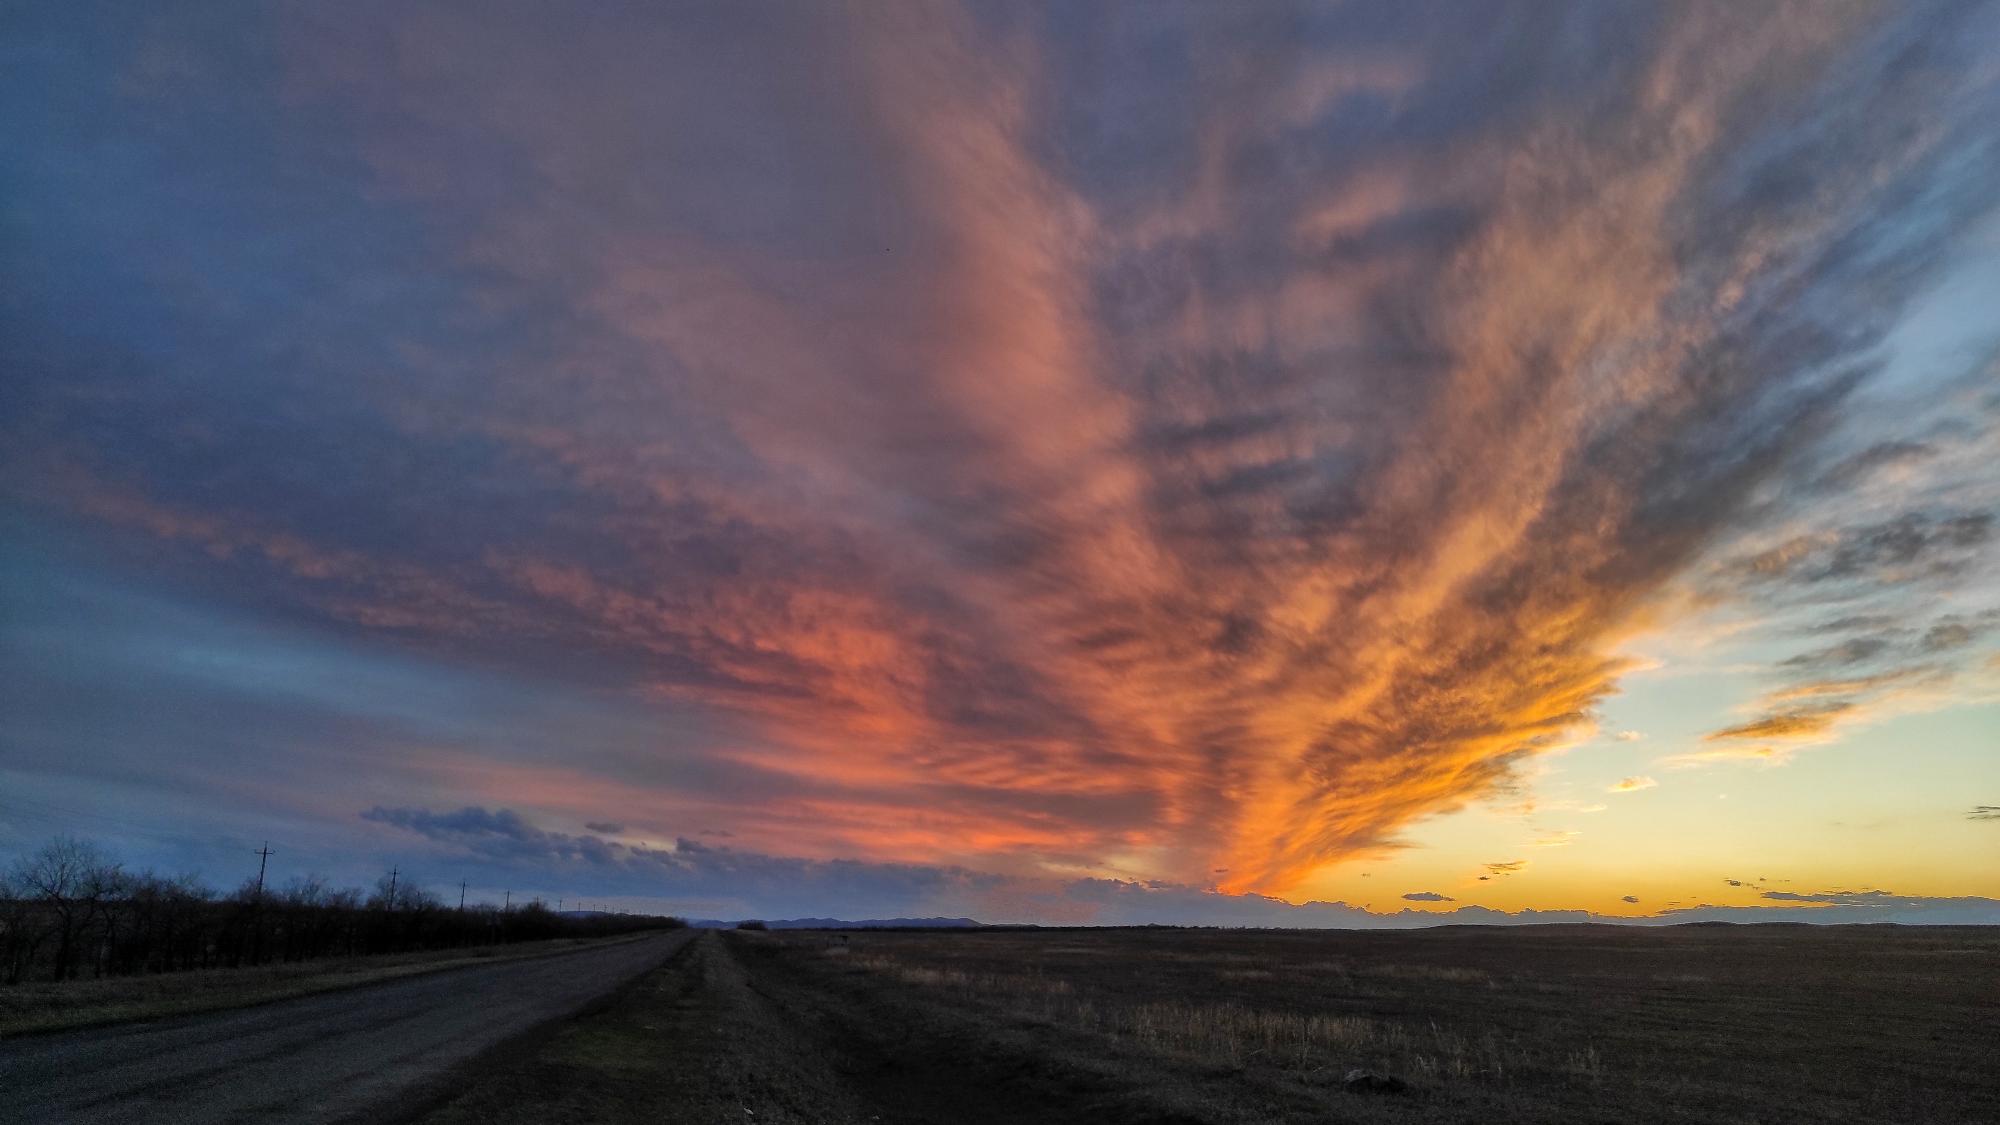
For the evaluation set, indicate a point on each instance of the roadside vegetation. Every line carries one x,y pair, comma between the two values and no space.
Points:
43,1006
69,912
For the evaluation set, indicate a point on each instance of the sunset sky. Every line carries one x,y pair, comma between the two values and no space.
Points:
1084,462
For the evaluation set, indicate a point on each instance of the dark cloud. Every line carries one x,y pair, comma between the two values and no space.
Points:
1913,546
1854,650
1428,896
1984,812
1630,899
1955,633
1508,867
689,871
501,834
1882,455
1836,898
1875,623
606,827
1836,908
1912,543
467,824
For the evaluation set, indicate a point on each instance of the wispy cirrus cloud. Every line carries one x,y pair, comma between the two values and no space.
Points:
1788,725
1019,446
1862,680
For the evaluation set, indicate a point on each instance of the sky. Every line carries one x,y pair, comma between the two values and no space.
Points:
1258,463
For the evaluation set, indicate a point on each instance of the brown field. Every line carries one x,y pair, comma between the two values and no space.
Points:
1572,1024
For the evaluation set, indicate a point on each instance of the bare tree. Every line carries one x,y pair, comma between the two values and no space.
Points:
19,936
75,881
69,907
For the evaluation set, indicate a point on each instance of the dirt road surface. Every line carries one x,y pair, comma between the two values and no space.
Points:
323,1058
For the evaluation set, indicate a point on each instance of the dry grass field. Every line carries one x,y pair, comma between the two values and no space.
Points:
1575,1024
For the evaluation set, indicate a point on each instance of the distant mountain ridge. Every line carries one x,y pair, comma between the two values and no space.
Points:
845,924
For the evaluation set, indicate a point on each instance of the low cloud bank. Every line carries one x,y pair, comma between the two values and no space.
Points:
699,878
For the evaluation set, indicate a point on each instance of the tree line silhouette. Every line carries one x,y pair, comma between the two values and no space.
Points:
69,910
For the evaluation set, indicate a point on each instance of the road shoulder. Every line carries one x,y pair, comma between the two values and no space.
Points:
46,1009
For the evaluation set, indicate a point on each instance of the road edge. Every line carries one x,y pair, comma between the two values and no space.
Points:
435,1092
346,986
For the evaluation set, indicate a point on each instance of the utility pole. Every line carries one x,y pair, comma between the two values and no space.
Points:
263,857
392,888
257,905
507,903
559,906
461,896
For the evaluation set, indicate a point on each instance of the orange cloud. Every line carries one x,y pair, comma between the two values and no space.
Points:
1786,725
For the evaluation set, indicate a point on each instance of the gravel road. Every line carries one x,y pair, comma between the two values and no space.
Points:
312,1059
